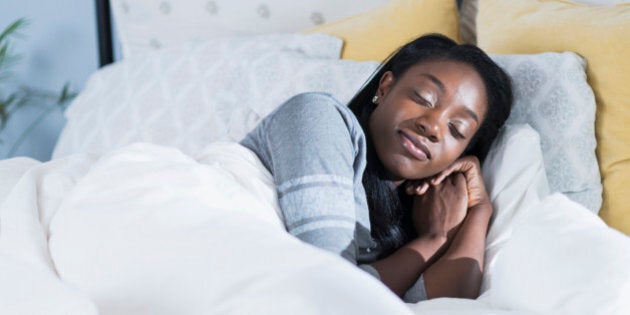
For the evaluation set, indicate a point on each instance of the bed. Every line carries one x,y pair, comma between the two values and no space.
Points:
149,206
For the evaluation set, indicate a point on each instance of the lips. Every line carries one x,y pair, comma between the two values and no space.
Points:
414,145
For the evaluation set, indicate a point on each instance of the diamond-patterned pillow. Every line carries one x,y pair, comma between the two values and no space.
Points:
552,95
190,96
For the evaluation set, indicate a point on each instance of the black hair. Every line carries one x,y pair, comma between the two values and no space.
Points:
390,214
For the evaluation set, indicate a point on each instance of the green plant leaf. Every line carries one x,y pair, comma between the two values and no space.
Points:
65,96
4,115
3,52
13,28
7,59
5,109
48,101
5,105
64,93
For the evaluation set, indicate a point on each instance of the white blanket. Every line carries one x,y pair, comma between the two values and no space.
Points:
149,230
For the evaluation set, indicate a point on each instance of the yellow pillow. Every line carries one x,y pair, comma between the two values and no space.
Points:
602,36
375,34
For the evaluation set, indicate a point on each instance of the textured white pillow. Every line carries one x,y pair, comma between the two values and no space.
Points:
551,95
147,25
190,96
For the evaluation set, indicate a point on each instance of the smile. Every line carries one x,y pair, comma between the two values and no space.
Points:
414,146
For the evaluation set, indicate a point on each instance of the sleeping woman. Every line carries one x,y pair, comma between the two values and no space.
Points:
392,182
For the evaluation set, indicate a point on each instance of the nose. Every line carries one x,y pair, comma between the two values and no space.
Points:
429,127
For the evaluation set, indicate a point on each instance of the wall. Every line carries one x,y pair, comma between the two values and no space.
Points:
60,45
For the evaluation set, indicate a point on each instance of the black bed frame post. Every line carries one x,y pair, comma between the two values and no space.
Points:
103,18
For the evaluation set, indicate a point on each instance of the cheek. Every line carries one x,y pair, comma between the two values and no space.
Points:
452,151
380,122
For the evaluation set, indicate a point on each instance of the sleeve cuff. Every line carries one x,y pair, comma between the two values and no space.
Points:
417,292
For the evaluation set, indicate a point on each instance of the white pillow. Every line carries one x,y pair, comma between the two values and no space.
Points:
563,259
546,254
551,95
190,96
147,25
515,178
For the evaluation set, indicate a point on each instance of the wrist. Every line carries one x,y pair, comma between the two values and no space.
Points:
484,209
428,245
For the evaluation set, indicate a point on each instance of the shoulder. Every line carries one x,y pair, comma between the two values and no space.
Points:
316,111
311,105
310,128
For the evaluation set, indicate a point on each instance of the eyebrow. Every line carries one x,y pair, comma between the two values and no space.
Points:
472,114
435,81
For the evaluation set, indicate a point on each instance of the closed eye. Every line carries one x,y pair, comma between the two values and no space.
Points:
421,100
455,132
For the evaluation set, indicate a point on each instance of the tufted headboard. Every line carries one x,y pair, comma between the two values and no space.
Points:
105,32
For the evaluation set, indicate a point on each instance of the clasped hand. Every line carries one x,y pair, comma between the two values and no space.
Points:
442,202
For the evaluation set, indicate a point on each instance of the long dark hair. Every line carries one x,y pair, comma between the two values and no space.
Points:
390,214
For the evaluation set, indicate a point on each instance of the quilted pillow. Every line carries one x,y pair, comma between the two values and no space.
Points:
551,95
192,95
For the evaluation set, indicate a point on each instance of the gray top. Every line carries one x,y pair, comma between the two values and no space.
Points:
315,149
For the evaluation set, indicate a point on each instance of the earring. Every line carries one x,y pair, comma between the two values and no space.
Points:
375,99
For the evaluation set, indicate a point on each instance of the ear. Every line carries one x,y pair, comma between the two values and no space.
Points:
385,84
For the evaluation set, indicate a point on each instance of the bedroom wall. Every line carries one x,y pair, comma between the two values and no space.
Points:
59,46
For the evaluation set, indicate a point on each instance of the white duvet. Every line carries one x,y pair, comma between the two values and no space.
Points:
149,230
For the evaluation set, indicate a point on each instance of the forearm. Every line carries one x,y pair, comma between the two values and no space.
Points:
459,271
400,270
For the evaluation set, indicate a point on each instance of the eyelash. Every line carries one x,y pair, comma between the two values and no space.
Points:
420,100
456,132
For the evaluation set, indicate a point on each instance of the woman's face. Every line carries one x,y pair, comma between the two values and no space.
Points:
425,119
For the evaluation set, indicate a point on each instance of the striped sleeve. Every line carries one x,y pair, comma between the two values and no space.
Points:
307,145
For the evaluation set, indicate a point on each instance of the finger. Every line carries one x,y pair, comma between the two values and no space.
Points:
409,189
459,180
417,188
441,176
450,179
460,165
423,189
